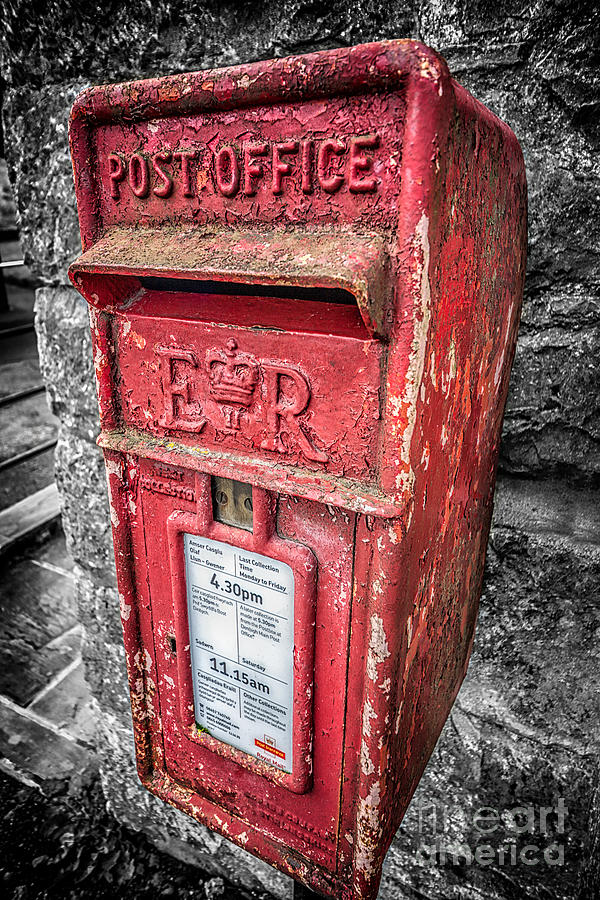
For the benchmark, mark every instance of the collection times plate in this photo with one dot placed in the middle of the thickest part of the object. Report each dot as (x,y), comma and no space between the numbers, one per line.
(241,619)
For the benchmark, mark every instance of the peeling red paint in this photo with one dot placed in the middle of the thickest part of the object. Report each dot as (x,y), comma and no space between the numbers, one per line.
(368,428)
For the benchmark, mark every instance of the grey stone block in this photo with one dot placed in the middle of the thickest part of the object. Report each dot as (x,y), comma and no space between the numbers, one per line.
(553,414)
(164,37)
(81,480)
(65,350)
(498,814)
(37,153)
(8,210)
(102,650)
(538,638)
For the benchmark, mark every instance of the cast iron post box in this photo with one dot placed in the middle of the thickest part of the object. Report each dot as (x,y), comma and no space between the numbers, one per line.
(304,279)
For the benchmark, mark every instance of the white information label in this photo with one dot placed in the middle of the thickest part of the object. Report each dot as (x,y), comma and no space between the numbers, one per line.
(241,618)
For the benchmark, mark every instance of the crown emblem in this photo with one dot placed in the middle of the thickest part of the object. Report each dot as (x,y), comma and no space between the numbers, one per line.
(232,379)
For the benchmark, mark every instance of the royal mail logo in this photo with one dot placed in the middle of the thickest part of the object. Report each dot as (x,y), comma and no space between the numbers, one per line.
(236,382)
(269,748)
(232,381)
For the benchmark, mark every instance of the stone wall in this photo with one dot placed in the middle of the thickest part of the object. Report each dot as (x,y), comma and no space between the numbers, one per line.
(523,732)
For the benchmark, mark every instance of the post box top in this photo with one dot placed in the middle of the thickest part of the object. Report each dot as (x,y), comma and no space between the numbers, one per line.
(344,71)
(357,99)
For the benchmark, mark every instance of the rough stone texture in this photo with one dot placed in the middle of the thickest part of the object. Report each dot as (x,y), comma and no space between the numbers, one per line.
(82,486)
(482,769)
(555,370)
(36,122)
(524,729)
(8,210)
(66,358)
(540,615)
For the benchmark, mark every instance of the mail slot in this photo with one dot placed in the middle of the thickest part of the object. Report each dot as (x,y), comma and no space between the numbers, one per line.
(304,279)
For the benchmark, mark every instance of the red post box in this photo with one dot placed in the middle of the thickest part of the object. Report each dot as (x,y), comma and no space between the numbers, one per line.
(304,279)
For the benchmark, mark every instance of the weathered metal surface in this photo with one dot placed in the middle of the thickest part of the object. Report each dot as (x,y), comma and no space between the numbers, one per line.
(367,422)
(349,261)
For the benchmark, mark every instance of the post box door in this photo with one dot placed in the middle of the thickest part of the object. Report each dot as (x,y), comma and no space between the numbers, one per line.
(304,815)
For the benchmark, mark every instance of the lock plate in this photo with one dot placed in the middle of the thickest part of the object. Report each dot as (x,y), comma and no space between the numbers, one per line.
(232,502)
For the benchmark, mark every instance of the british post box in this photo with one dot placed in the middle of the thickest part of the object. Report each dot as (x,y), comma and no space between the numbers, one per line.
(304,279)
